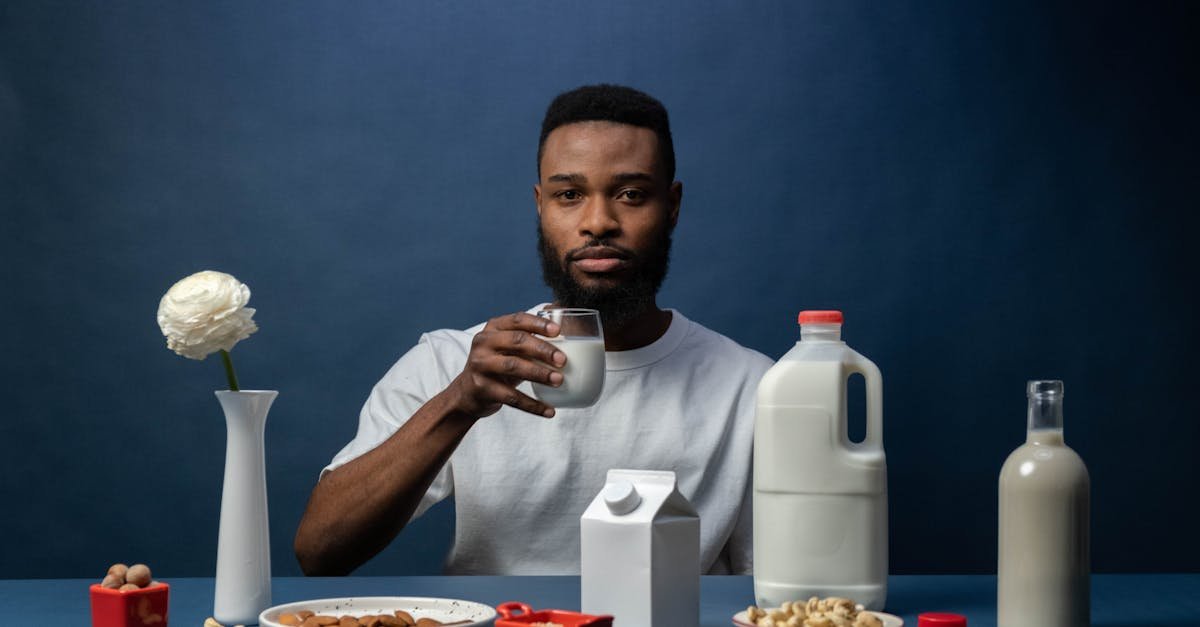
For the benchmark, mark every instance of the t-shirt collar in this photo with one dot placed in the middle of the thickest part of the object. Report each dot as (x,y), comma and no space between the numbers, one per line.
(646,355)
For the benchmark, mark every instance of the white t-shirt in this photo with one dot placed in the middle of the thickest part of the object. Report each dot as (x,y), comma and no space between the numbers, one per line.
(520,482)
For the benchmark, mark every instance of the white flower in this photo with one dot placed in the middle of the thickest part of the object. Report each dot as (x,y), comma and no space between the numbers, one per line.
(204,313)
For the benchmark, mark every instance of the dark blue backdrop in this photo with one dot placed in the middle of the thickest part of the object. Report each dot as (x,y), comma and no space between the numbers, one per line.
(992,192)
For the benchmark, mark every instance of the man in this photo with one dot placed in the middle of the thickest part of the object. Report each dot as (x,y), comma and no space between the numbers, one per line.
(455,415)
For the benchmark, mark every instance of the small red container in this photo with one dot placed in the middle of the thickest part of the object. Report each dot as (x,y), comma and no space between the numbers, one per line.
(514,614)
(145,607)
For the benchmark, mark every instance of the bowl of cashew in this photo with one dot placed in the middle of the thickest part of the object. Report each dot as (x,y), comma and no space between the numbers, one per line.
(815,612)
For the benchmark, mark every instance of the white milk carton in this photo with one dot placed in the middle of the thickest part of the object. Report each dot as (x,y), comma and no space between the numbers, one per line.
(640,561)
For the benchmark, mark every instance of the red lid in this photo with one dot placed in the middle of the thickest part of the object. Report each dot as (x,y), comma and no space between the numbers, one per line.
(820,317)
(940,619)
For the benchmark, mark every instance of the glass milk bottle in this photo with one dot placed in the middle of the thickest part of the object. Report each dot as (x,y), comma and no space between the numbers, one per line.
(820,500)
(1043,570)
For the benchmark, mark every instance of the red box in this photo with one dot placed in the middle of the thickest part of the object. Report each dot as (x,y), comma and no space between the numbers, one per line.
(144,607)
(510,618)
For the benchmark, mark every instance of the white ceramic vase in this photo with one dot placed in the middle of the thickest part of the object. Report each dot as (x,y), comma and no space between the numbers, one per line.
(243,587)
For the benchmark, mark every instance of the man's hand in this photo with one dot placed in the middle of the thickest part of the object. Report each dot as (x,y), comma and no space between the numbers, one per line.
(502,355)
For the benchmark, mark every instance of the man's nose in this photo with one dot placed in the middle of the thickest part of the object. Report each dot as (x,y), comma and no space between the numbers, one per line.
(599,219)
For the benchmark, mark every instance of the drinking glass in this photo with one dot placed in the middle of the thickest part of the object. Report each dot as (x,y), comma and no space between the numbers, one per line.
(581,338)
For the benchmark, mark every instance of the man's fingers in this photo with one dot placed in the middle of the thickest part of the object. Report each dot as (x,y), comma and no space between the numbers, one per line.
(517,334)
(522,321)
(514,367)
(513,398)
(509,350)
(532,347)
(518,343)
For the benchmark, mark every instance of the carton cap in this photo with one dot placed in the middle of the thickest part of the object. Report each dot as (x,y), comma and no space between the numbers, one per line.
(621,497)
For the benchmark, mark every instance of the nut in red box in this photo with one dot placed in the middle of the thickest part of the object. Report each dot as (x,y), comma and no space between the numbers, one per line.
(142,607)
(514,614)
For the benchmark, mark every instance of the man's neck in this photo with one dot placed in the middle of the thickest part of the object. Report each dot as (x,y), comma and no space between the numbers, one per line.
(641,331)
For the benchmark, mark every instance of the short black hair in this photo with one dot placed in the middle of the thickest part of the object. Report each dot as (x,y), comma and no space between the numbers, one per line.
(611,103)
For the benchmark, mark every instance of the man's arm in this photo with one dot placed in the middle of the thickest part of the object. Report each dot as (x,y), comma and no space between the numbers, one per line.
(360,507)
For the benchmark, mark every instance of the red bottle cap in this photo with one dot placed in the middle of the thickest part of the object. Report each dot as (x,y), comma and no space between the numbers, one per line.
(940,619)
(820,317)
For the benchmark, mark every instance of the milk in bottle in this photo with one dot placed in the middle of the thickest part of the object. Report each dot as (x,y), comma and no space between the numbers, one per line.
(1043,571)
(820,500)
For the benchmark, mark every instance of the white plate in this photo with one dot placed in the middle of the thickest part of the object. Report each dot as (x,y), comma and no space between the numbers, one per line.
(889,620)
(445,610)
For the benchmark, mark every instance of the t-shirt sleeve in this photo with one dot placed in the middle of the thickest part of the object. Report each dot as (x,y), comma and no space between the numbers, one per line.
(406,387)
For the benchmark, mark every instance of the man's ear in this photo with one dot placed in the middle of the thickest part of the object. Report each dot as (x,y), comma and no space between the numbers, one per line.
(676,196)
(537,197)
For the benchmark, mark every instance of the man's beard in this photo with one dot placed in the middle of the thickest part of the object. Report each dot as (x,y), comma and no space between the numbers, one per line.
(635,288)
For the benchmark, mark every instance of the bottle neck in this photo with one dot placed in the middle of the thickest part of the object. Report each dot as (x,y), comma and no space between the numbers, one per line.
(1045,411)
(1047,437)
(820,333)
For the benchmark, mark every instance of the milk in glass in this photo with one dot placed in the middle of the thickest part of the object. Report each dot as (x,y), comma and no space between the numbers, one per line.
(581,339)
(583,374)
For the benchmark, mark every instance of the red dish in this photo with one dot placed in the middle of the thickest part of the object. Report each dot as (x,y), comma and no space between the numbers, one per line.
(513,614)
(144,607)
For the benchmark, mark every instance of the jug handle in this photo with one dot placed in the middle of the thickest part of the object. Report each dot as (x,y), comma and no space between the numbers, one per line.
(510,609)
(874,380)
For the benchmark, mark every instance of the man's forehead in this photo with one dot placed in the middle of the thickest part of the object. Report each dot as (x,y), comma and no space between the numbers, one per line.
(596,143)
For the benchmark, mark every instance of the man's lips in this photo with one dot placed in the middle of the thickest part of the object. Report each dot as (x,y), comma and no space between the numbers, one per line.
(599,259)
(603,264)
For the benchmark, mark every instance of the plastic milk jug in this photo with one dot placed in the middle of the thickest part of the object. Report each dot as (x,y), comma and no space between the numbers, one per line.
(640,544)
(820,500)
(1044,568)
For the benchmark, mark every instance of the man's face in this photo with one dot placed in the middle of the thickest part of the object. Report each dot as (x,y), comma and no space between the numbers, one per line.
(606,210)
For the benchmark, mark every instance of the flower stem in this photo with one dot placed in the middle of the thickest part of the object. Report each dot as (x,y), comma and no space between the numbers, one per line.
(229,372)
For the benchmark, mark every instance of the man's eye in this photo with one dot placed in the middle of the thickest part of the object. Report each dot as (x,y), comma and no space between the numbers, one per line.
(569,194)
(633,194)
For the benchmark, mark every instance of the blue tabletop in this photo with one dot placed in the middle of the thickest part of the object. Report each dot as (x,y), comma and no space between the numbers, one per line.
(1117,600)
